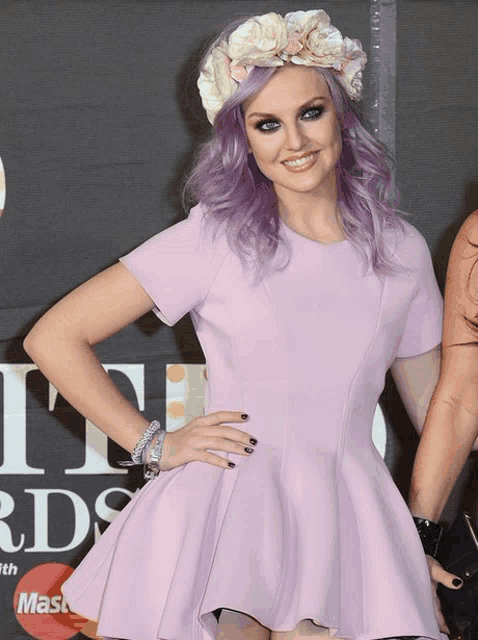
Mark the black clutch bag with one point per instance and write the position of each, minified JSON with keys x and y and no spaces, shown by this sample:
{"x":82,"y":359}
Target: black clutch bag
{"x":458,"y":554}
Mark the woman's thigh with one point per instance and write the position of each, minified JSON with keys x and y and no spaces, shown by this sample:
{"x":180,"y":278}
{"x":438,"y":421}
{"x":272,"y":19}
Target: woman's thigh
{"x":305,"y":629}
{"x":234,"y":625}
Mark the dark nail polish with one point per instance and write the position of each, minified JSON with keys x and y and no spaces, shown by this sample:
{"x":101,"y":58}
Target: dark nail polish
{"x":457,"y":582}
{"x":231,"y":464}
{"x":244,"y":416}
{"x":248,"y":449}
{"x":252,"y":440}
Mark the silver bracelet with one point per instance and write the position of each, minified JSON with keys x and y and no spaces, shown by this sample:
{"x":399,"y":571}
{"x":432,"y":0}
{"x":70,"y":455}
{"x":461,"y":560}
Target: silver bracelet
{"x":152,"y":467}
{"x":138,"y":454}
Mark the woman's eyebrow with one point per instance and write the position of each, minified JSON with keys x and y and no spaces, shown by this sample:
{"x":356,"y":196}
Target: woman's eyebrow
{"x":303,"y":106}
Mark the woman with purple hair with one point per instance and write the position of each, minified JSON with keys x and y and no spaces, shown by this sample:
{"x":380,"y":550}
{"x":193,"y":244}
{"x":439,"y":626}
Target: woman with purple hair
{"x":272,"y":516}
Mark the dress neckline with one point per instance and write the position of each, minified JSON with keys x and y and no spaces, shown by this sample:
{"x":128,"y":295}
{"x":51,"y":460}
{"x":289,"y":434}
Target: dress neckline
{"x":298,"y":235}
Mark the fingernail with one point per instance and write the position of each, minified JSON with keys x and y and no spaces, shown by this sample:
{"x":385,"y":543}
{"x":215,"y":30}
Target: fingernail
{"x":244,"y":416}
{"x":231,"y":464}
{"x":252,"y":440}
{"x":248,"y":449}
{"x":457,"y":582}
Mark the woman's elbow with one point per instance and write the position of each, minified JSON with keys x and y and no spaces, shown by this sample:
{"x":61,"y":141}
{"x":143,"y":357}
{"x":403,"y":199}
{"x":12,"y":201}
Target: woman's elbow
{"x":28,"y":344}
{"x":45,"y":337}
{"x":35,"y":340}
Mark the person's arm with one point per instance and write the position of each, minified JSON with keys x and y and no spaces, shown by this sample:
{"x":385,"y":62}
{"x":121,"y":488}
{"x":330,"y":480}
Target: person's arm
{"x":416,"y":379}
{"x":61,"y":343}
{"x":451,"y":427}
{"x":450,"y":430}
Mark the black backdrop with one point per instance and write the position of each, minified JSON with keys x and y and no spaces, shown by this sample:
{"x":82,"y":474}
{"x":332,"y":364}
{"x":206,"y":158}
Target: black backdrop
{"x":99,"y":118}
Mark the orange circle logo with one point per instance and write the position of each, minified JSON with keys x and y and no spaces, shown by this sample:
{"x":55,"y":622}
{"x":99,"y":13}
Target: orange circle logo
{"x":40,"y":607}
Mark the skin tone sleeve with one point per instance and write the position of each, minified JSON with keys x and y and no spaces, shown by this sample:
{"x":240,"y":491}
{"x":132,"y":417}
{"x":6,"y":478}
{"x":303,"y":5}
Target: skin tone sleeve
{"x":451,"y":426}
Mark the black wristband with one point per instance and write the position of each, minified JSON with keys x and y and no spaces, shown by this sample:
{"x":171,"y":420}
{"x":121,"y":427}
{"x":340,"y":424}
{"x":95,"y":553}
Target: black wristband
{"x":430,"y":534}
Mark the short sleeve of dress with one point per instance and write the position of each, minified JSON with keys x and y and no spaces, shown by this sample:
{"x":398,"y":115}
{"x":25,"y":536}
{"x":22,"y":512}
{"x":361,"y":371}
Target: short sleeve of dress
{"x":423,"y":329}
{"x":176,"y":267}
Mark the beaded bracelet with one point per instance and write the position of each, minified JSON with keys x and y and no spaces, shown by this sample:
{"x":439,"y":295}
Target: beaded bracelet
{"x":138,"y":455}
{"x":430,"y":534}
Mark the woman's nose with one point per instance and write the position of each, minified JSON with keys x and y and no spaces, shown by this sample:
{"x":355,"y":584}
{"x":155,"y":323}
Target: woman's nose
{"x":295,"y":137}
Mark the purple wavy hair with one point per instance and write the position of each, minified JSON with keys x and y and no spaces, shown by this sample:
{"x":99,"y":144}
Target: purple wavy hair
{"x":227,"y":181}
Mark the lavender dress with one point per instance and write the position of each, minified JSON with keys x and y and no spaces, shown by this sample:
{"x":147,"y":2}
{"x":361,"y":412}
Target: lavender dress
{"x":311,"y":525}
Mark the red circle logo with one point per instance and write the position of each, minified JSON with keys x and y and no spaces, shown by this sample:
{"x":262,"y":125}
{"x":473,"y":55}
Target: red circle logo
{"x":41,"y":609}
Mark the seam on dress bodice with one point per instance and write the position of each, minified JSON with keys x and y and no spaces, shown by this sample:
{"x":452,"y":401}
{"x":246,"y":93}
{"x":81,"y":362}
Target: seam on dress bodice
{"x":346,"y":414}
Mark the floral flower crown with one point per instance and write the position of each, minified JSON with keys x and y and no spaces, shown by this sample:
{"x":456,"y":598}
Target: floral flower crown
{"x":301,"y":37}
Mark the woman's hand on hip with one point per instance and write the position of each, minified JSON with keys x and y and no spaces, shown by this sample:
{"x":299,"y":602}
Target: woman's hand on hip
{"x":438,"y":575}
{"x":196,"y":441}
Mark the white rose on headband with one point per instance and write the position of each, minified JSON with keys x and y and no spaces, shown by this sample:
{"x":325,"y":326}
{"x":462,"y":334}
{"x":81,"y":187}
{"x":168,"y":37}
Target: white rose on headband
{"x":303,"y":22}
{"x":352,"y":65}
{"x":322,"y":43}
{"x":258,"y":41}
{"x":302,"y":37}
{"x":215,"y":83}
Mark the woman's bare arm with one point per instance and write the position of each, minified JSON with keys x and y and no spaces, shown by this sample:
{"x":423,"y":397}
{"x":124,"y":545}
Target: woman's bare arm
{"x":450,"y":431}
{"x":416,"y":379}
{"x":451,"y":427}
{"x":61,"y":343}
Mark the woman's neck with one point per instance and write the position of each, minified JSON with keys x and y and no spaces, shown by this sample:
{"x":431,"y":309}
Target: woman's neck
{"x":316,"y":217}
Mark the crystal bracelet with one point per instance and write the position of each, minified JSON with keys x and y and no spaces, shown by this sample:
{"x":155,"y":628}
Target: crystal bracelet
{"x":430,"y":534}
{"x":138,"y":454}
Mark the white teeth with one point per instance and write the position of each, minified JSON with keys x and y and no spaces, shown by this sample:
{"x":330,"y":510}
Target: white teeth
{"x":298,"y":162}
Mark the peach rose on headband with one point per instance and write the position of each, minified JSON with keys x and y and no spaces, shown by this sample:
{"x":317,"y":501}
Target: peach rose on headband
{"x":322,"y":43}
{"x":259,"y":41}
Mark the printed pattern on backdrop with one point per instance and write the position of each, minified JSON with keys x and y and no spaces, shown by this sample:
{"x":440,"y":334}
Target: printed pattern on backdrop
{"x":62,"y":510}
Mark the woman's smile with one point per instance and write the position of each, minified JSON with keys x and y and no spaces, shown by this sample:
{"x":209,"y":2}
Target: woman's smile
{"x":301,"y":163}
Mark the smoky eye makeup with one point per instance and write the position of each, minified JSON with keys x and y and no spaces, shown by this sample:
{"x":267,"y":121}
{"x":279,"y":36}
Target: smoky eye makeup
{"x":266,"y":125}
{"x":312,"y":112}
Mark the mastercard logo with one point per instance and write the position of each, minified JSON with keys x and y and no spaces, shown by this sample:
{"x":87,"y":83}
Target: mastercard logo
{"x":42,"y":610}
